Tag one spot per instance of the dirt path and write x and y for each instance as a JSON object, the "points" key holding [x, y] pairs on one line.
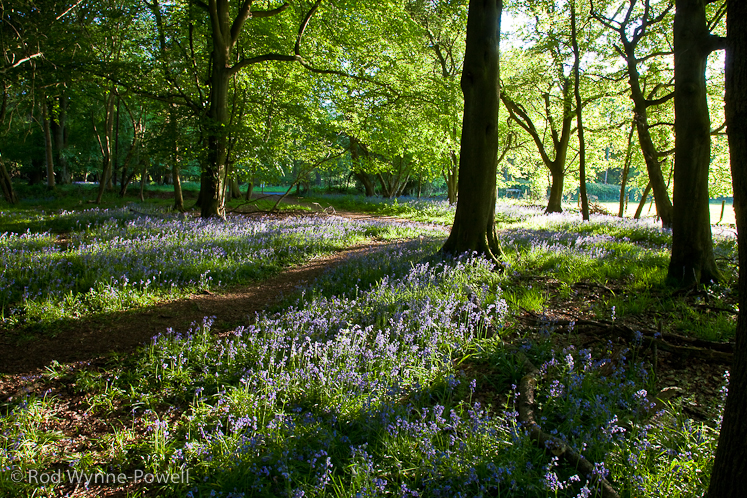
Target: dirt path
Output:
{"points": [[91, 338], [95, 337]]}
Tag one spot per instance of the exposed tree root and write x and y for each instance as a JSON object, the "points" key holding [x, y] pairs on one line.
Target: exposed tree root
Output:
{"points": [[693, 347], [526, 402]]}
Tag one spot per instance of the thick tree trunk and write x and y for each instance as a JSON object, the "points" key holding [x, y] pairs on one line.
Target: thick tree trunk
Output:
{"points": [[225, 31], [212, 191], [730, 466], [474, 221], [554, 203], [692, 247], [367, 183], [355, 149]]}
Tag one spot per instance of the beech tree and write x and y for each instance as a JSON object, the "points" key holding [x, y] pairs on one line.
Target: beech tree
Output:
{"points": [[225, 30], [540, 98], [633, 28], [730, 466], [474, 220], [560, 136], [692, 247]]}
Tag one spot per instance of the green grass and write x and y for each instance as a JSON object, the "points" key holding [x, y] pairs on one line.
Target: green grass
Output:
{"points": [[117, 260], [715, 209], [395, 372], [425, 211]]}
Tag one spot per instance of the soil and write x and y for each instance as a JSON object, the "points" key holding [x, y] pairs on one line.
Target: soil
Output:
{"points": [[93, 338]]}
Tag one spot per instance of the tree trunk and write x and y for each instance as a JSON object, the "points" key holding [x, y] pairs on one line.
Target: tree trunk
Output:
{"points": [[175, 165], [115, 159], [451, 176], [692, 248], [59, 135], [730, 466], [249, 190], [212, 191], [106, 145], [642, 204], [368, 184], [474, 221], [554, 203], [48, 153], [626, 171], [355, 149], [560, 141], [640, 108], [579, 120], [143, 181], [7, 184], [235, 188]]}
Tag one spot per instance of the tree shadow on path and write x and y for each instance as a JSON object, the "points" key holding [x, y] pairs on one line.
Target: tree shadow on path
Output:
{"points": [[93, 337]]}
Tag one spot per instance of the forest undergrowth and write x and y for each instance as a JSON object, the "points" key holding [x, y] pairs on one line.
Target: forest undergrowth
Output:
{"points": [[395, 373]]}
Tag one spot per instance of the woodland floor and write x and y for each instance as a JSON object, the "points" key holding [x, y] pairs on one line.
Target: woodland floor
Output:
{"points": [[694, 373]]}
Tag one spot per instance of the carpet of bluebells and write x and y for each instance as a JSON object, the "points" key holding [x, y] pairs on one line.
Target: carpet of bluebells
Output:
{"points": [[392, 375], [113, 260]]}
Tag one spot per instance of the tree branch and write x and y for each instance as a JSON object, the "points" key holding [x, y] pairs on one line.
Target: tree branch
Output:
{"points": [[214, 19], [245, 12], [304, 24], [260, 58], [662, 123], [665, 153], [660, 100], [719, 130], [716, 43], [652, 55], [526, 123]]}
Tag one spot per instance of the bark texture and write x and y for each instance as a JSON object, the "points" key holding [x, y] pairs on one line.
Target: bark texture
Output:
{"points": [[451, 177], [474, 221], [730, 467], [692, 248]]}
